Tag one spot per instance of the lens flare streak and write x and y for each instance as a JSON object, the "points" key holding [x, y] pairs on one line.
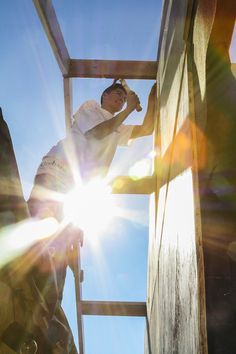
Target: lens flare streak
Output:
{"points": [[16, 239]]}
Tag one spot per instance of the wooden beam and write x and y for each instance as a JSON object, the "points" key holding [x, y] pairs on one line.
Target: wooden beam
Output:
{"points": [[51, 26], [127, 69], [126, 185], [76, 268], [114, 308]]}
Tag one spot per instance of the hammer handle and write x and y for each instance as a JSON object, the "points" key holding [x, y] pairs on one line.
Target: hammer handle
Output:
{"points": [[127, 88]]}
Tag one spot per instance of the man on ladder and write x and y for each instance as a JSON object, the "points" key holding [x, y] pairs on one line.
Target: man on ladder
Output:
{"points": [[85, 153]]}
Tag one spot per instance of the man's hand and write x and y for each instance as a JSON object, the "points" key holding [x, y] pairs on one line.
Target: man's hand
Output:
{"points": [[148, 123], [132, 101], [152, 96]]}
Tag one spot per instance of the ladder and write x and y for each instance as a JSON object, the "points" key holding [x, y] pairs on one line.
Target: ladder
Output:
{"points": [[98, 308], [80, 68], [108, 308]]}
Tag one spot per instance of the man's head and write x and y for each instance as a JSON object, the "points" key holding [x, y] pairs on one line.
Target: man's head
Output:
{"points": [[113, 98]]}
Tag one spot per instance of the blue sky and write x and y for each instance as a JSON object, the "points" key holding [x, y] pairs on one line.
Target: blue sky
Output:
{"points": [[31, 97]]}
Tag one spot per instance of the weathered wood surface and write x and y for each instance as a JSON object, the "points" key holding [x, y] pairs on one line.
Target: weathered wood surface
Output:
{"points": [[68, 102], [124, 69], [218, 183], [52, 28], [176, 315], [114, 308], [191, 280]]}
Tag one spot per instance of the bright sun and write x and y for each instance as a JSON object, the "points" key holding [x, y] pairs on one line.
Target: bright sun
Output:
{"points": [[90, 207]]}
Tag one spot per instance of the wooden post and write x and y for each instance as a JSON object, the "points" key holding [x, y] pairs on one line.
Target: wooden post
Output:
{"points": [[68, 99]]}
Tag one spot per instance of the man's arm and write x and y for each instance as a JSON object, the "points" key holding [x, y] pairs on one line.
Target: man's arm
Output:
{"points": [[148, 123], [107, 127]]}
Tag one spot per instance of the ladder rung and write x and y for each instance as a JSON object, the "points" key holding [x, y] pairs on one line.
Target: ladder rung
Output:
{"points": [[114, 308]]}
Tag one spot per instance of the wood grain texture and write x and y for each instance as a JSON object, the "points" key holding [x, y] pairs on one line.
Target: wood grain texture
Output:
{"points": [[52, 28], [174, 308], [68, 102], [124, 69]]}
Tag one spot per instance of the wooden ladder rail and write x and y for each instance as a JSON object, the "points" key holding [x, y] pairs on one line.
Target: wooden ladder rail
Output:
{"points": [[121, 185]]}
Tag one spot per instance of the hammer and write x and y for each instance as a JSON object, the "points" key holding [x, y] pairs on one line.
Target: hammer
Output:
{"points": [[127, 88]]}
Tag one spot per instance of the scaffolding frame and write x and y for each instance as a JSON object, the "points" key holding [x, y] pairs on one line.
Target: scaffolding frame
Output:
{"points": [[127, 69], [84, 68]]}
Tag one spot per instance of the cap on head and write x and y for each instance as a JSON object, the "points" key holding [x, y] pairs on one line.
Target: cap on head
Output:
{"points": [[112, 87]]}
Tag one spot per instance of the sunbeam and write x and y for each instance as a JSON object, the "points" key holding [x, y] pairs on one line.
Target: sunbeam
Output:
{"points": [[90, 207], [18, 238]]}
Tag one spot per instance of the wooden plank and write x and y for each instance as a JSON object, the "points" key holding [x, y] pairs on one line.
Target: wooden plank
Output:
{"points": [[125, 69], [196, 140], [51, 26], [114, 308], [173, 293], [68, 101], [218, 216], [76, 268], [126, 185]]}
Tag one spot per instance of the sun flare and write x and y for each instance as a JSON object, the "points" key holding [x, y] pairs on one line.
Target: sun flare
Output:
{"points": [[17, 238], [90, 207]]}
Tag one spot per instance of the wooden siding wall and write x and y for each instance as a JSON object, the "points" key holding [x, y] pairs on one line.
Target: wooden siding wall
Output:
{"points": [[213, 31], [180, 312], [173, 305]]}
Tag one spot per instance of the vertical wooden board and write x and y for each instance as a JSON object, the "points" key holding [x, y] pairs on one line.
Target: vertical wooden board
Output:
{"points": [[177, 294], [151, 337], [174, 312], [172, 42], [201, 34], [152, 259], [177, 146], [68, 102], [154, 244], [169, 104], [212, 35]]}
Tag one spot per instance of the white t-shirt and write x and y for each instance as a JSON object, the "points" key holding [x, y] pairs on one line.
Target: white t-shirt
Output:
{"points": [[93, 156]]}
